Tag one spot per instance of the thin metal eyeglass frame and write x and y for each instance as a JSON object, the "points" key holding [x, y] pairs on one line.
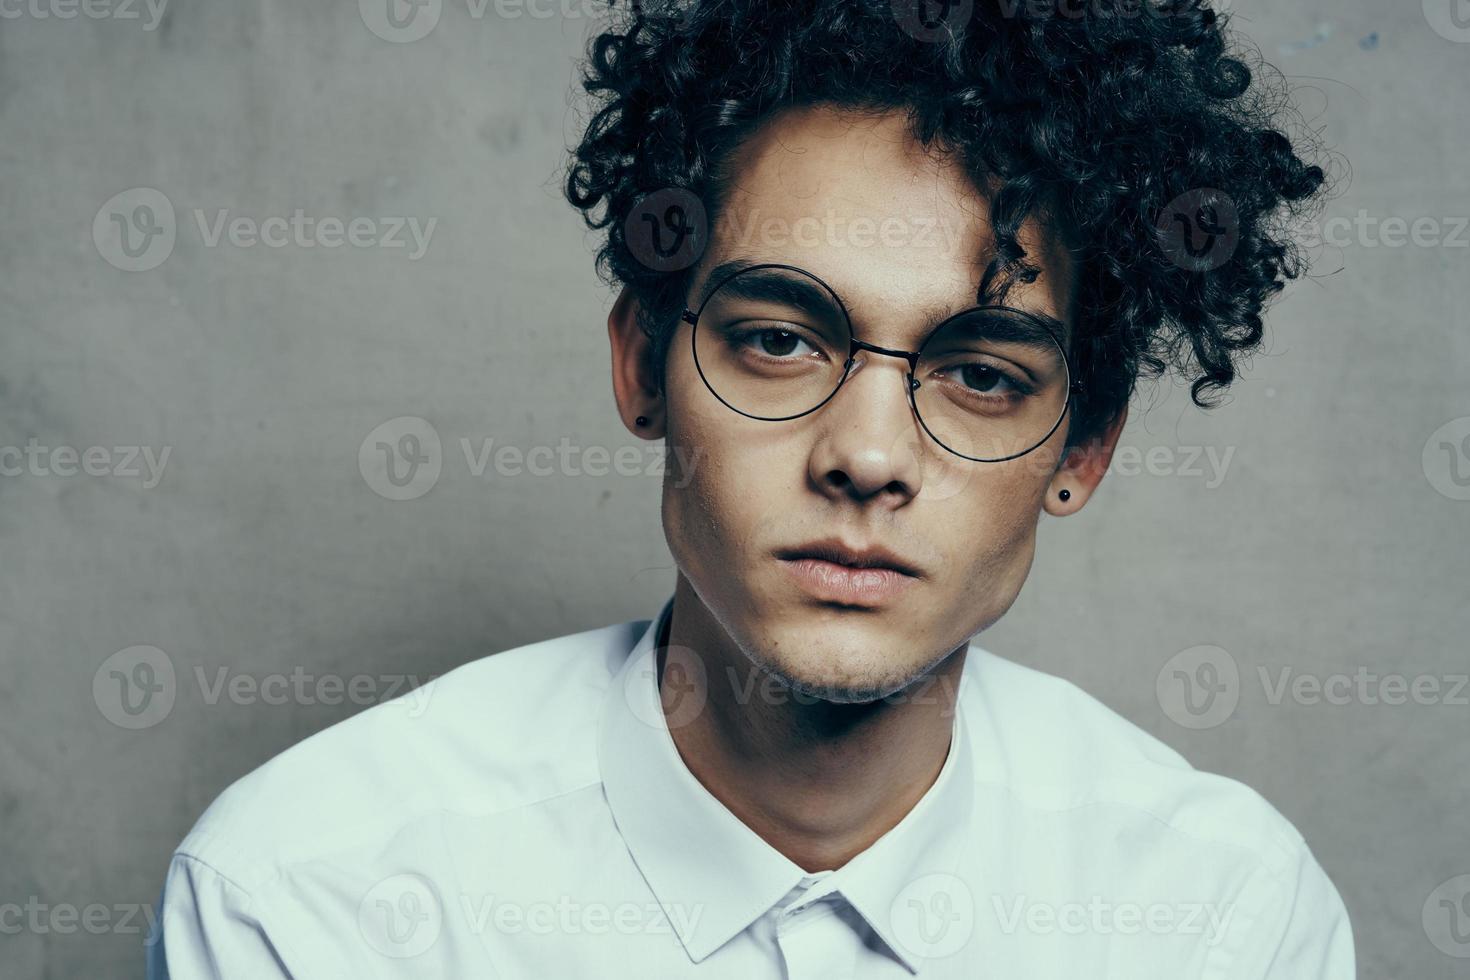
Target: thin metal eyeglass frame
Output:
{"points": [[691, 317]]}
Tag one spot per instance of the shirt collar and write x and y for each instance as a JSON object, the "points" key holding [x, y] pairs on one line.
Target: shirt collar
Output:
{"points": [[714, 874]]}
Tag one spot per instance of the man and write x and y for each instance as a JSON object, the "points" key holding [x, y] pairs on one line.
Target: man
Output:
{"points": [[889, 276]]}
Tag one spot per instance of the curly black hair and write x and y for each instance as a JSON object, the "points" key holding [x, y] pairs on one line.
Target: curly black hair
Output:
{"points": [[1097, 117]]}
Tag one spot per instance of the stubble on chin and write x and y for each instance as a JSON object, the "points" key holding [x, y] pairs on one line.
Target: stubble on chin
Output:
{"points": [[833, 682]]}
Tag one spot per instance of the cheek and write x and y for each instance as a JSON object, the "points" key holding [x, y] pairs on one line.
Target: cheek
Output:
{"points": [[998, 522], [733, 489], [694, 492], [705, 480], [991, 528]]}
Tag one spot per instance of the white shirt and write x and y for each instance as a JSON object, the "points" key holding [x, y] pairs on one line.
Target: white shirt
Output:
{"points": [[528, 816]]}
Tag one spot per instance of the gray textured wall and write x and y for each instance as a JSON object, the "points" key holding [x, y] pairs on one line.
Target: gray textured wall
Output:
{"points": [[1334, 539]]}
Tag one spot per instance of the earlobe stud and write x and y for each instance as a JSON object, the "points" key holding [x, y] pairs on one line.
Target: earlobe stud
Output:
{"points": [[641, 421], [1065, 494]]}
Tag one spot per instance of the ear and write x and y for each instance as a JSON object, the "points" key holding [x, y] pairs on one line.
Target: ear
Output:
{"points": [[1083, 469], [634, 382]]}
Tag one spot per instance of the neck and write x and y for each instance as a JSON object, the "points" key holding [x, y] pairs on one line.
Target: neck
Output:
{"points": [[817, 780]]}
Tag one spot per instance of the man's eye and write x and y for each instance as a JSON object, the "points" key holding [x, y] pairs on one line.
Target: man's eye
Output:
{"points": [[771, 341], [985, 379]]}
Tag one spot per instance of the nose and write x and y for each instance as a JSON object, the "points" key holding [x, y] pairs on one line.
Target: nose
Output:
{"points": [[869, 439]]}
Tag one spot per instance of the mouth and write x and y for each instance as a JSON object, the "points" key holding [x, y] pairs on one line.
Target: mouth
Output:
{"points": [[832, 571]]}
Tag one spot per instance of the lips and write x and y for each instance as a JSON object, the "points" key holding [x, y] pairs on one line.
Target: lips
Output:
{"points": [[831, 571], [864, 557]]}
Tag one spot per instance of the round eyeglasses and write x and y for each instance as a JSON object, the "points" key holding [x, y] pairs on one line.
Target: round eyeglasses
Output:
{"points": [[774, 342]]}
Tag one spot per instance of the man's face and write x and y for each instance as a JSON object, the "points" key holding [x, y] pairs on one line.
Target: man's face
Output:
{"points": [[810, 189]]}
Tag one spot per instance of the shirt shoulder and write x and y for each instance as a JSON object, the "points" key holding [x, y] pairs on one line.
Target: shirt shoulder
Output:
{"points": [[1088, 803], [1056, 747], [505, 731]]}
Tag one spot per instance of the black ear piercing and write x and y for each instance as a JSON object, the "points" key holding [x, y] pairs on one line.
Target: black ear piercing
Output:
{"points": [[641, 421], [1065, 494]]}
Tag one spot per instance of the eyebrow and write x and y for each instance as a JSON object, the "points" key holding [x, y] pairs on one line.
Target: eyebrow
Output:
{"points": [[781, 285], [777, 285]]}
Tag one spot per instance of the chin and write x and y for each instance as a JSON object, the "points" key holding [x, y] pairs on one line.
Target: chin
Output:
{"points": [[838, 682], [844, 691], [832, 658]]}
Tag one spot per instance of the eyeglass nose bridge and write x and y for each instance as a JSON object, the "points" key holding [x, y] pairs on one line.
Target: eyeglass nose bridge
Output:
{"points": [[857, 346]]}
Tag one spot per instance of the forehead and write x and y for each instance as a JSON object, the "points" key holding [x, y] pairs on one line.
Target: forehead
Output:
{"points": [[891, 226]]}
